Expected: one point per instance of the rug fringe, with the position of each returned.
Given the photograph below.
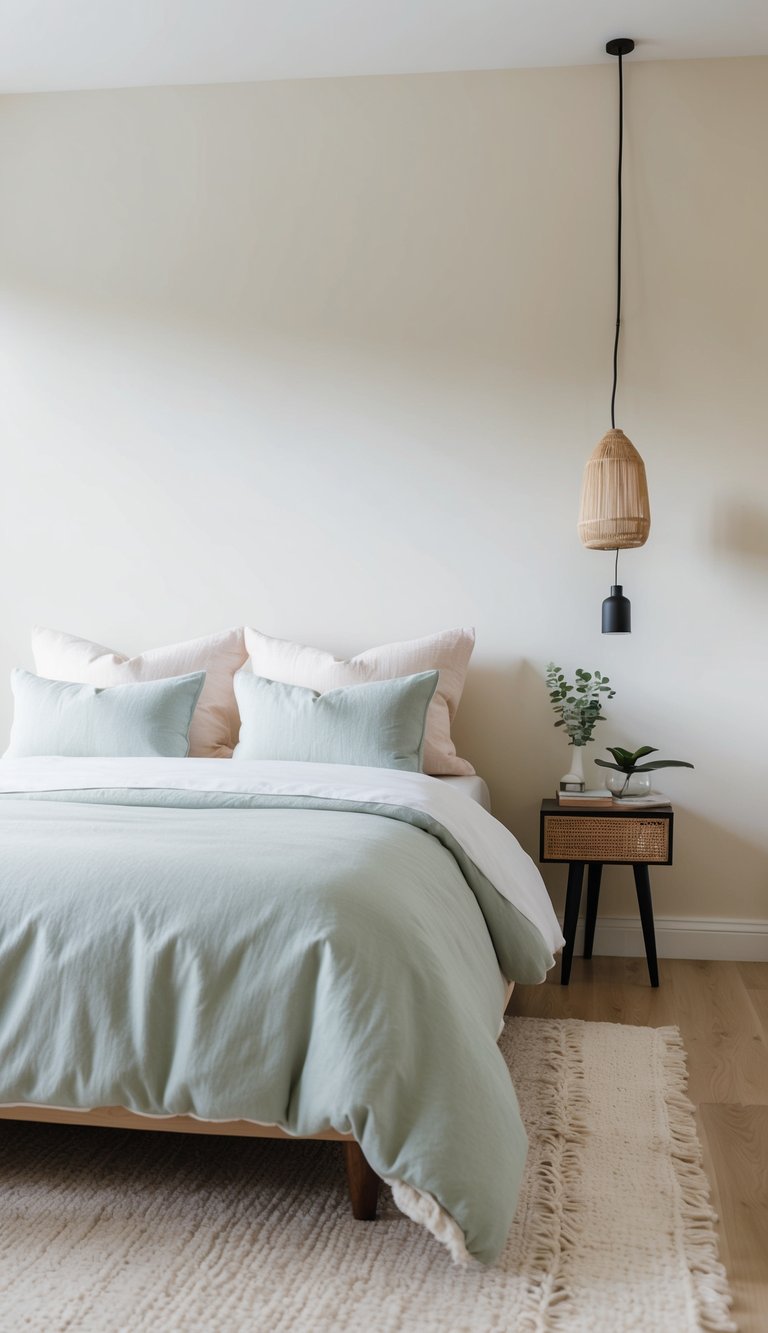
(552, 1224)
(699, 1236)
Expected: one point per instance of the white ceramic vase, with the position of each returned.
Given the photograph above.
(574, 780)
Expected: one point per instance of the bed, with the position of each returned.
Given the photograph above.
(274, 949)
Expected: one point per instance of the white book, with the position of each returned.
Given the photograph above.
(600, 794)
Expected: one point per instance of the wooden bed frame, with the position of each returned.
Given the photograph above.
(362, 1180)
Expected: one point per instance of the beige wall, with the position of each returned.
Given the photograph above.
(329, 357)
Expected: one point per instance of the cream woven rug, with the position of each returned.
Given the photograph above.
(107, 1230)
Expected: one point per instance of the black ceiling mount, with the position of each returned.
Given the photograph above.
(619, 46)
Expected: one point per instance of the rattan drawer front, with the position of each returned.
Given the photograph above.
(583, 838)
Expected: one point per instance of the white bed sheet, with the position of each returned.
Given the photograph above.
(473, 787)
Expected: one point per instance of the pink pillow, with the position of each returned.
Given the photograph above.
(448, 652)
(216, 721)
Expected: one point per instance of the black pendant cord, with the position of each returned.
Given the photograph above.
(618, 246)
(617, 617)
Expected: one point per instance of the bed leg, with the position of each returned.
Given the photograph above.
(363, 1184)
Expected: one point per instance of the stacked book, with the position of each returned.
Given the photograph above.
(602, 799)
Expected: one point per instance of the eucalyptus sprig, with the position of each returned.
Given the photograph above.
(578, 705)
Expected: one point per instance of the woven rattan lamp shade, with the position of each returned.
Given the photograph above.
(615, 511)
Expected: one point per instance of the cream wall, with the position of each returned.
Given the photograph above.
(329, 357)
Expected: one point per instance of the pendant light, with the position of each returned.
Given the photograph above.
(615, 511)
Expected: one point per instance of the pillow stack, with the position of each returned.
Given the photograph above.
(215, 724)
(391, 706)
(448, 653)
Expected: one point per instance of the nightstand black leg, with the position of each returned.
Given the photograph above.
(572, 903)
(645, 903)
(594, 875)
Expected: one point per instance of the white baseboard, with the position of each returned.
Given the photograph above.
(681, 937)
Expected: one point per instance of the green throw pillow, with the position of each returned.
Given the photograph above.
(379, 725)
(55, 717)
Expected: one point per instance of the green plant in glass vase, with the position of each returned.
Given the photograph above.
(626, 763)
(577, 707)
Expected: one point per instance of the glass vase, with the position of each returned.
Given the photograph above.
(634, 784)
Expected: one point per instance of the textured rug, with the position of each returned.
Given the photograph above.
(108, 1230)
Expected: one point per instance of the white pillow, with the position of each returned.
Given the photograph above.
(448, 652)
(216, 721)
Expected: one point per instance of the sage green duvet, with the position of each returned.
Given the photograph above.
(300, 945)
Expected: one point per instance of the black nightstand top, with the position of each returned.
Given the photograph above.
(551, 806)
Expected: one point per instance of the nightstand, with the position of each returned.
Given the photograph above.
(594, 838)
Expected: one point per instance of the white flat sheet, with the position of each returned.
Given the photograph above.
(475, 788)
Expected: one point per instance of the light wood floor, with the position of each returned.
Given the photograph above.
(722, 1012)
